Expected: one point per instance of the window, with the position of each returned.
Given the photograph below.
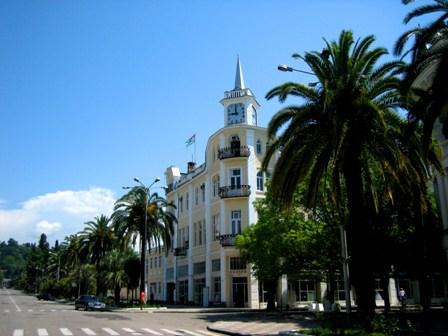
(236, 221)
(235, 178)
(305, 290)
(216, 295)
(260, 184)
(170, 273)
(186, 201)
(200, 233)
(150, 262)
(195, 229)
(183, 291)
(199, 268)
(198, 285)
(216, 220)
(181, 204)
(216, 265)
(215, 185)
(196, 196)
(203, 192)
(182, 271)
(258, 146)
(237, 264)
(160, 261)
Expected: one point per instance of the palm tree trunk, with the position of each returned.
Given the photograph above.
(358, 237)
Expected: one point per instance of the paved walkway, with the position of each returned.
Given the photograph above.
(265, 327)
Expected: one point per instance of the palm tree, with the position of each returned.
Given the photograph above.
(114, 273)
(340, 134)
(425, 77)
(98, 238)
(75, 255)
(138, 212)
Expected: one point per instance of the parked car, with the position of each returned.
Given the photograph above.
(89, 302)
(45, 296)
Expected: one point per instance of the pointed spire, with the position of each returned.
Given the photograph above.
(239, 79)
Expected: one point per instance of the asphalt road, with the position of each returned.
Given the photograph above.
(24, 315)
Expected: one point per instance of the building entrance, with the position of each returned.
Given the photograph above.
(170, 287)
(239, 291)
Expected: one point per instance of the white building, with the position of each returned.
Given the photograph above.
(214, 203)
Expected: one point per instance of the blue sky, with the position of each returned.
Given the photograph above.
(93, 93)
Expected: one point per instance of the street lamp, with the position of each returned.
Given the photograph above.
(286, 68)
(143, 243)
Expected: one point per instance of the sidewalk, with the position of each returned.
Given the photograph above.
(262, 324)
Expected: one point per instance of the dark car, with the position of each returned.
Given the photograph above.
(89, 302)
(45, 296)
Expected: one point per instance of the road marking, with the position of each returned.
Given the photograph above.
(88, 331)
(66, 331)
(7, 310)
(189, 332)
(129, 330)
(152, 331)
(14, 303)
(53, 310)
(18, 332)
(42, 332)
(30, 310)
(111, 331)
(171, 332)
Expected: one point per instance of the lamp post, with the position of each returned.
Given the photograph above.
(343, 232)
(143, 239)
(286, 68)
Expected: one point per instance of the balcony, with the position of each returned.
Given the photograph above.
(227, 239)
(180, 251)
(234, 191)
(233, 152)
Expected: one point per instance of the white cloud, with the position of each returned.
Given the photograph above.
(47, 227)
(56, 214)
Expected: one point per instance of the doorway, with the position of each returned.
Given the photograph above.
(239, 292)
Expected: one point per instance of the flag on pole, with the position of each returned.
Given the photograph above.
(191, 140)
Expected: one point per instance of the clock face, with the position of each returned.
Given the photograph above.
(235, 113)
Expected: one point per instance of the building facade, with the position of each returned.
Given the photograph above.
(215, 203)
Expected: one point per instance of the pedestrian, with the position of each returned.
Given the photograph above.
(402, 296)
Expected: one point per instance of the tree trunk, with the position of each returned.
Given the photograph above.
(358, 239)
(271, 288)
(117, 290)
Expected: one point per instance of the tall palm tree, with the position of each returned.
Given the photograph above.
(98, 238)
(138, 212)
(114, 273)
(75, 256)
(340, 134)
(425, 76)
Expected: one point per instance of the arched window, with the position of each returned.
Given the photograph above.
(258, 146)
(260, 182)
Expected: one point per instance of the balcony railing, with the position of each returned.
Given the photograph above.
(234, 191)
(227, 239)
(233, 152)
(180, 251)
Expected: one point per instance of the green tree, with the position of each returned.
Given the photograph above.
(98, 238)
(425, 77)
(114, 271)
(138, 212)
(289, 240)
(340, 134)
